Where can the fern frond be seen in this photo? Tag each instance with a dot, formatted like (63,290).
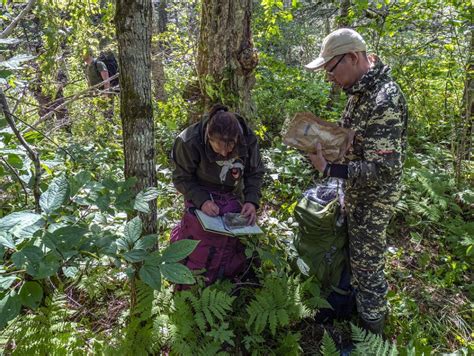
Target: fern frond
(328,346)
(371,344)
(276,304)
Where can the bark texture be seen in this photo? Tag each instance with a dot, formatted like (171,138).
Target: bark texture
(226,55)
(160,20)
(133,20)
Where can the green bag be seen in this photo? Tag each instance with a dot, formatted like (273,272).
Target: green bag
(322,241)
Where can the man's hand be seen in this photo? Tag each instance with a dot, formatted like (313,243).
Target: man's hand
(317,159)
(249,211)
(210,208)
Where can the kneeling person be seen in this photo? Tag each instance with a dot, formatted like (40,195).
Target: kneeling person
(218,169)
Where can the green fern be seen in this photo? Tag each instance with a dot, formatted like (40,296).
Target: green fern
(137,335)
(328,346)
(50,331)
(276,304)
(369,344)
(199,322)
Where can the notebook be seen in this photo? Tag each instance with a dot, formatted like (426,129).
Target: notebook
(216,224)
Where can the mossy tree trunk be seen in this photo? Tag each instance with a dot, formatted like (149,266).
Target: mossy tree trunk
(226,55)
(133,20)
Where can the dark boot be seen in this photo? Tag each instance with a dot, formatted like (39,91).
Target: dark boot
(374,326)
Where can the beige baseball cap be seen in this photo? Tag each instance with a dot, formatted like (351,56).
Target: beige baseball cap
(343,40)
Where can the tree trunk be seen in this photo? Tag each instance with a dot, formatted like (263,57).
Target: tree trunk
(157,70)
(226,56)
(133,20)
(465,132)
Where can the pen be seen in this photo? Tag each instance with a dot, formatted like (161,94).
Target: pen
(212,199)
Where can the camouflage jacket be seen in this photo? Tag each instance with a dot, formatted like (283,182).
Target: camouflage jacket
(376,110)
(198,169)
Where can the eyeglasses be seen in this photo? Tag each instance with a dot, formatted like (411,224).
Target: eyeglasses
(330,72)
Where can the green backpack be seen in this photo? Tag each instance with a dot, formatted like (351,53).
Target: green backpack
(322,241)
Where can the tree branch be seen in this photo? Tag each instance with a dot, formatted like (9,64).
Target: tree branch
(6,32)
(34,156)
(5,162)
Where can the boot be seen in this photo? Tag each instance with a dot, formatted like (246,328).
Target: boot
(374,326)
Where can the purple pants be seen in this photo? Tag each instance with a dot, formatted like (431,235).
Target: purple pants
(220,255)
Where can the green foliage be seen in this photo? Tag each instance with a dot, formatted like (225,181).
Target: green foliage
(201,322)
(328,347)
(282,90)
(275,305)
(137,335)
(50,331)
(370,344)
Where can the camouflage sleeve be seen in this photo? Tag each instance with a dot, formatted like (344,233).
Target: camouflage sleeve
(186,160)
(253,174)
(382,144)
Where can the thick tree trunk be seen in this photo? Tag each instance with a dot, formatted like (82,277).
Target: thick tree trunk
(157,70)
(133,20)
(226,56)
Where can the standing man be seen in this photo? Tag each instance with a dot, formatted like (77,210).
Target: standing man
(376,110)
(96,71)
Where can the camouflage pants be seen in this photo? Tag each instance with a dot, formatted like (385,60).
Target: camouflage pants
(367,223)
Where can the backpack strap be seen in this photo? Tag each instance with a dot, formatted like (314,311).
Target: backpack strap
(97,69)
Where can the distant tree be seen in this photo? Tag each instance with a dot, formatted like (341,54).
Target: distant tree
(226,55)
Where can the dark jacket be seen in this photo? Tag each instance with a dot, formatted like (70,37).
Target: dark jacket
(198,169)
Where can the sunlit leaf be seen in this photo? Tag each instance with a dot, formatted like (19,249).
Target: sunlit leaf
(177,273)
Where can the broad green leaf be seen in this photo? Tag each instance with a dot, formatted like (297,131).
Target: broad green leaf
(177,273)
(31,294)
(79,180)
(146,242)
(143,197)
(133,230)
(135,255)
(36,263)
(47,267)
(65,238)
(10,307)
(6,281)
(123,244)
(6,240)
(154,259)
(151,276)
(22,232)
(179,250)
(29,255)
(18,219)
(54,197)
